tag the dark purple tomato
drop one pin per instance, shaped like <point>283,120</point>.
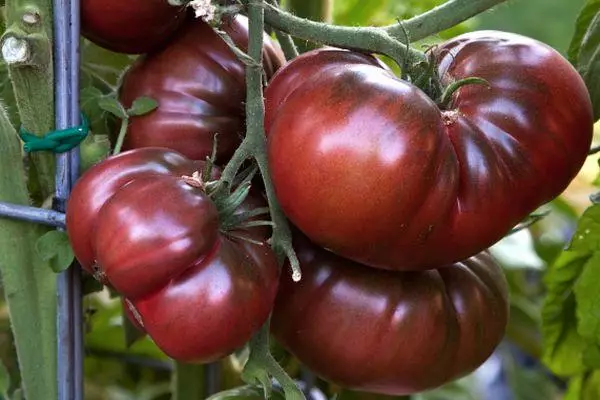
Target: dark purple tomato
<point>390,332</point>
<point>136,224</point>
<point>371,168</point>
<point>130,26</point>
<point>199,85</point>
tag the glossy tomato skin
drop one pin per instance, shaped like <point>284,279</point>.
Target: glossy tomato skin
<point>133,26</point>
<point>167,226</point>
<point>199,84</point>
<point>197,292</point>
<point>226,297</point>
<point>103,180</point>
<point>390,332</point>
<point>369,167</point>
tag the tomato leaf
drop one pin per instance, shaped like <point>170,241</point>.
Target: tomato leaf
<point>563,346</point>
<point>18,395</point>
<point>4,379</point>
<point>587,297</point>
<point>588,59</point>
<point>587,13</point>
<point>113,106</point>
<point>54,246</point>
<point>587,235</point>
<point>584,387</point>
<point>142,105</point>
<point>591,355</point>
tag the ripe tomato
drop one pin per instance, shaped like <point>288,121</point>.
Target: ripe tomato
<point>132,26</point>
<point>390,332</point>
<point>368,166</point>
<point>137,225</point>
<point>199,84</point>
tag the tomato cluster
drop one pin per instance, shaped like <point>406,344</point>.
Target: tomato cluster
<point>394,196</point>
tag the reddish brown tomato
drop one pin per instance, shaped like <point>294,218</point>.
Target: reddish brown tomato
<point>390,332</point>
<point>132,26</point>
<point>137,225</point>
<point>199,84</point>
<point>368,166</point>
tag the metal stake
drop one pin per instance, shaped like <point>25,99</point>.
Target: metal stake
<point>66,75</point>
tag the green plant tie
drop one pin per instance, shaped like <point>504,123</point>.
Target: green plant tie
<point>58,141</point>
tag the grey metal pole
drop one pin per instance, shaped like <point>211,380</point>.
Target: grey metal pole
<point>66,70</point>
<point>33,214</point>
<point>212,378</point>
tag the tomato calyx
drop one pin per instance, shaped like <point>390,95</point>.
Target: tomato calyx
<point>231,219</point>
<point>427,79</point>
<point>446,98</point>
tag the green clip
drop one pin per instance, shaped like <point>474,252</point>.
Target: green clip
<point>58,141</point>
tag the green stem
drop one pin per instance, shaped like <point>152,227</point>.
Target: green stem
<point>440,18</point>
<point>27,50</point>
<point>28,282</point>
<point>261,362</point>
<point>454,86</point>
<point>121,137</point>
<point>384,40</point>
<point>254,144</point>
<point>367,39</point>
<point>187,381</point>
<point>287,43</point>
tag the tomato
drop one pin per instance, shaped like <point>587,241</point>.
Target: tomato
<point>132,26</point>
<point>137,225</point>
<point>199,84</point>
<point>370,167</point>
<point>390,332</point>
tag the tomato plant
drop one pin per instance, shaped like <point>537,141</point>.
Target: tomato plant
<point>133,26</point>
<point>372,168</point>
<point>388,331</point>
<point>200,87</point>
<point>137,225</point>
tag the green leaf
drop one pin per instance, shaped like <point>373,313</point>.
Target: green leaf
<point>113,106</point>
<point>101,122</point>
<point>584,387</point>
<point>18,395</point>
<point>587,13</point>
<point>131,332</point>
<point>591,355</point>
<point>142,105</point>
<point>563,346</point>
<point>587,235</point>
<point>588,62</point>
<point>106,331</point>
<point>54,247</point>
<point>4,379</point>
<point>587,297</point>
<point>574,388</point>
